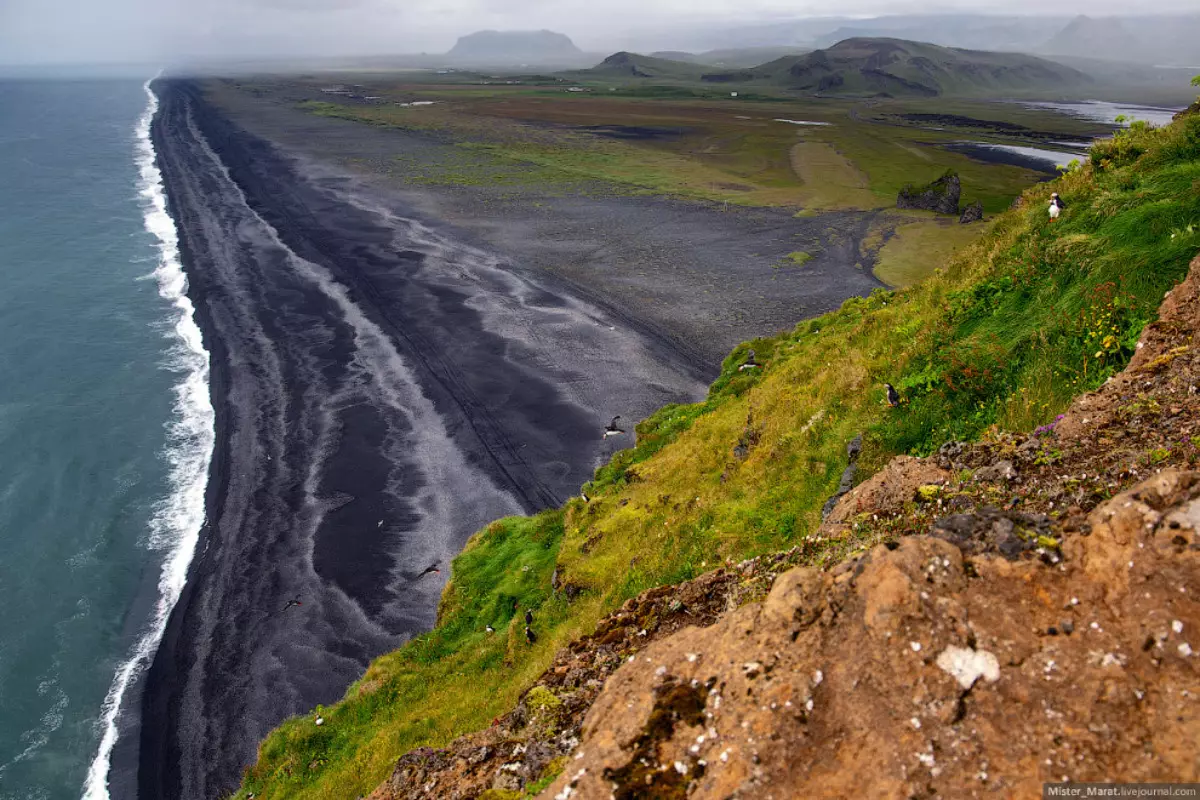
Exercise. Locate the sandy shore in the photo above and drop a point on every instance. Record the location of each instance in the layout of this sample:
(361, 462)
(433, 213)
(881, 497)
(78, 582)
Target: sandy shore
(394, 368)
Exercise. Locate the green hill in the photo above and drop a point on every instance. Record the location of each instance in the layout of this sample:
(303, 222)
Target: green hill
(1000, 338)
(626, 66)
(733, 57)
(900, 68)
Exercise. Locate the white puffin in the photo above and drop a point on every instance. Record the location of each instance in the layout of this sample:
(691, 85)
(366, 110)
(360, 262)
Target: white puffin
(1056, 206)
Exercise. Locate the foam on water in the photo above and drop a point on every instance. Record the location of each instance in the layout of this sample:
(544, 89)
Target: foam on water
(175, 526)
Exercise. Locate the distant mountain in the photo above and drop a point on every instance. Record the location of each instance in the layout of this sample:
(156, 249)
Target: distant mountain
(676, 55)
(1090, 37)
(896, 67)
(975, 32)
(514, 47)
(635, 65)
(740, 57)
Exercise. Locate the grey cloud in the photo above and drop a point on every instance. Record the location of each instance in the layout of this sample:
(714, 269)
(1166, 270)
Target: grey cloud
(165, 30)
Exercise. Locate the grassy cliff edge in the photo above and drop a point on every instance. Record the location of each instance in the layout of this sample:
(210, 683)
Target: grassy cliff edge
(1003, 336)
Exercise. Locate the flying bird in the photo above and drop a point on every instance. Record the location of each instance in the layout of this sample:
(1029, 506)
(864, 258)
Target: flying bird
(611, 428)
(432, 568)
(750, 363)
(293, 602)
(893, 397)
(1056, 206)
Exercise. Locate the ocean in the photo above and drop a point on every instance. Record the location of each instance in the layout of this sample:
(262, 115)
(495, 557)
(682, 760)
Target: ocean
(105, 427)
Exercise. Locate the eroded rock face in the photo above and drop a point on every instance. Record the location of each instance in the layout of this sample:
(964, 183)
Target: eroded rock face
(926, 672)
(972, 213)
(941, 195)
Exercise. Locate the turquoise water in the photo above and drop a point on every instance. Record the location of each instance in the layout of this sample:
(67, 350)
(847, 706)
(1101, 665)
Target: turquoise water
(90, 368)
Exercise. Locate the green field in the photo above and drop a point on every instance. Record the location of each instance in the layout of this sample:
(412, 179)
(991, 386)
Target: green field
(722, 150)
(543, 139)
(1018, 323)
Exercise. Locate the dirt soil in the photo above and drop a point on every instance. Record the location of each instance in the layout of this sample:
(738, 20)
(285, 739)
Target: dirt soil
(1028, 616)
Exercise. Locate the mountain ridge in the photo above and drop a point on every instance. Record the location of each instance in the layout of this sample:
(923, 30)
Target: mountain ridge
(508, 47)
(898, 67)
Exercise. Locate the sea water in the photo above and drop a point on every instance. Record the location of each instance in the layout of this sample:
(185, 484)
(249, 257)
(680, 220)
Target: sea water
(105, 426)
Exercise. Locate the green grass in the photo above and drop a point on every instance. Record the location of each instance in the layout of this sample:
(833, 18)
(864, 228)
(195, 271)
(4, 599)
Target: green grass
(1004, 334)
(917, 248)
(798, 259)
(729, 151)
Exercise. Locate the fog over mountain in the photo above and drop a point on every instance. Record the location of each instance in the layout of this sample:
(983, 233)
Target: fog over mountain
(169, 31)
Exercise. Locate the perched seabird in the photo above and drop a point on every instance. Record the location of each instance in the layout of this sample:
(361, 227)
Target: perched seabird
(489, 628)
(893, 397)
(528, 617)
(529, 636)
(432, 568)
(583, 496)
(320, 720)
(293, 602)
(1056, 206)
(750, 363)
(611, 428)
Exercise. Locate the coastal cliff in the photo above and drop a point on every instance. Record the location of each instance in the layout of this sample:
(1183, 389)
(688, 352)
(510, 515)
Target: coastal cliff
(983, 615)
(922, 657)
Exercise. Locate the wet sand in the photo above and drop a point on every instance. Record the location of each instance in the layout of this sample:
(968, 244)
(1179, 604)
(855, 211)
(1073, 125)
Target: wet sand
(394, 368)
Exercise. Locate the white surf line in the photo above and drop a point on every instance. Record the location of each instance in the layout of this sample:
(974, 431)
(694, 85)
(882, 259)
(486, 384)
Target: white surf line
(175, 527)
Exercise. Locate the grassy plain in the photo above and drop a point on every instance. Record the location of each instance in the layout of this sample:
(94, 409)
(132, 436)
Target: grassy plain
(703, 145)
(1019, 322)
(916, 248)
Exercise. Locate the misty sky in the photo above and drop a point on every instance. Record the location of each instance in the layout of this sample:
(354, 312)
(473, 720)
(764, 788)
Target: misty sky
(159, 31)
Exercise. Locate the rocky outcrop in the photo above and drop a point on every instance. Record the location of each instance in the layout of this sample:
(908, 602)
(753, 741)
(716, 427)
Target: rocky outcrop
(941, 195)
(543, 730)
(1030, 616)
(972, 213)
(918, 670)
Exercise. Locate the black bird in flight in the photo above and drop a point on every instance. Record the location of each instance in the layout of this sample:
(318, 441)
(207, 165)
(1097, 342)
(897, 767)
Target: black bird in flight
(893, 397)
(611, 428)
(431, 569)
(293, 602)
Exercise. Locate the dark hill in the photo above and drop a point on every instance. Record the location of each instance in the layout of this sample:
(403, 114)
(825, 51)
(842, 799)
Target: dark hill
(635, 65)
(514, 47)
(902, 68)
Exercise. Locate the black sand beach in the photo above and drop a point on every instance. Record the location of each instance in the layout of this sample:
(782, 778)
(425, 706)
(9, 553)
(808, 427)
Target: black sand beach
(394, 368)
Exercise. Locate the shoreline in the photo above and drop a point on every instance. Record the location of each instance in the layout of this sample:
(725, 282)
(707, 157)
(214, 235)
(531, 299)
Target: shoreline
(191, 442)
(368, 365)
(141, 772)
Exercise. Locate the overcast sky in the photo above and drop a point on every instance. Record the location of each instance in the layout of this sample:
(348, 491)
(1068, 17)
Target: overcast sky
(82, 31)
